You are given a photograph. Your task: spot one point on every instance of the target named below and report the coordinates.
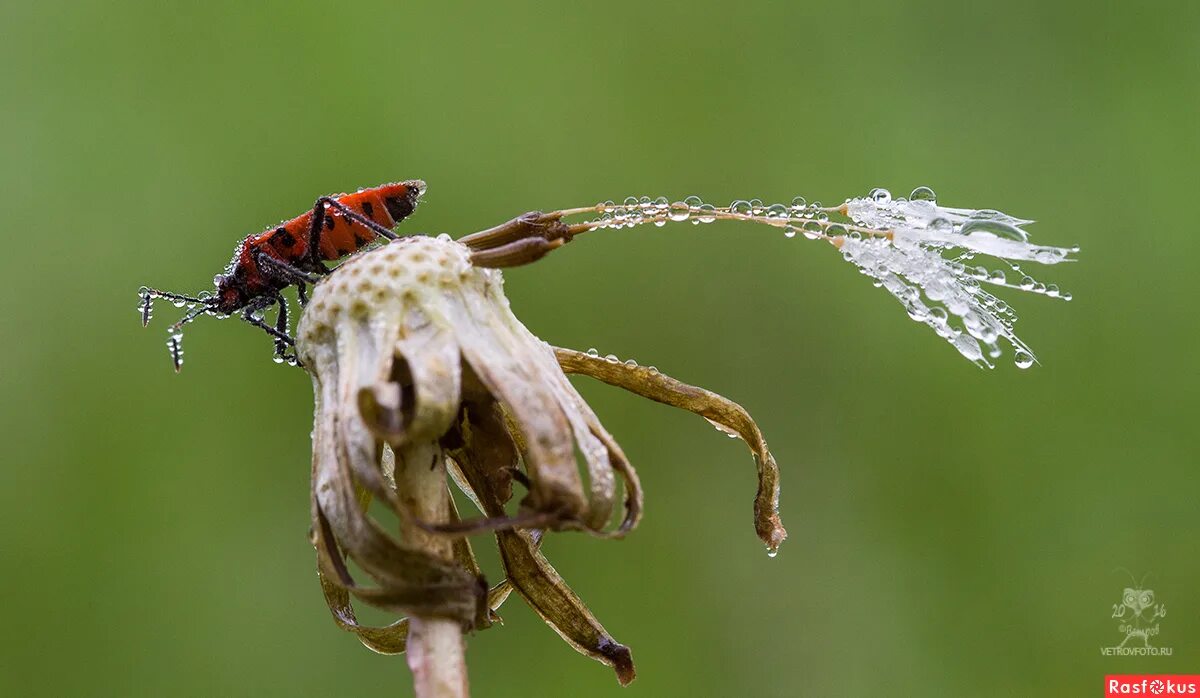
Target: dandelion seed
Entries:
(909, 263)
(915, 248)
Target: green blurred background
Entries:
(953, 531)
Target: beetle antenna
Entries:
(147, 296)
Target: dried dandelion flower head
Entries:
(422, 372)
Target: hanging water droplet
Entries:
(812, 230)
(593, 352)
(707, 214)
(789, 232)
(880, 195)
(740, 206)
(1023, 359)
(1027, 283)
(680, 212)
(772, 552)
(777, 211)
(968, 347)
(998, 277)
(922, 194)
(693, 201)
(798, 204)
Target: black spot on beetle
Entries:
(329, 222)
(400, 207)
(285, 237)
(343, 252)
(368, 209)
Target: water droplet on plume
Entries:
(998, 228)
(922, 194)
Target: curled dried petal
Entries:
(351, 355)
(391, 638)
(721, 412)
(486, 449)
(540, 584)
(501, 357)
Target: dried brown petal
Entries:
(389, 639)
(721, 412)
(533, 577)
(486, 449)
(392, 638)
(505, 360)
(521, 371)
(352, 353)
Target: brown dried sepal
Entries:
(522, 240)
(485, 459)
(726, 415)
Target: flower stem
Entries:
(721, 213)
(436, 650)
